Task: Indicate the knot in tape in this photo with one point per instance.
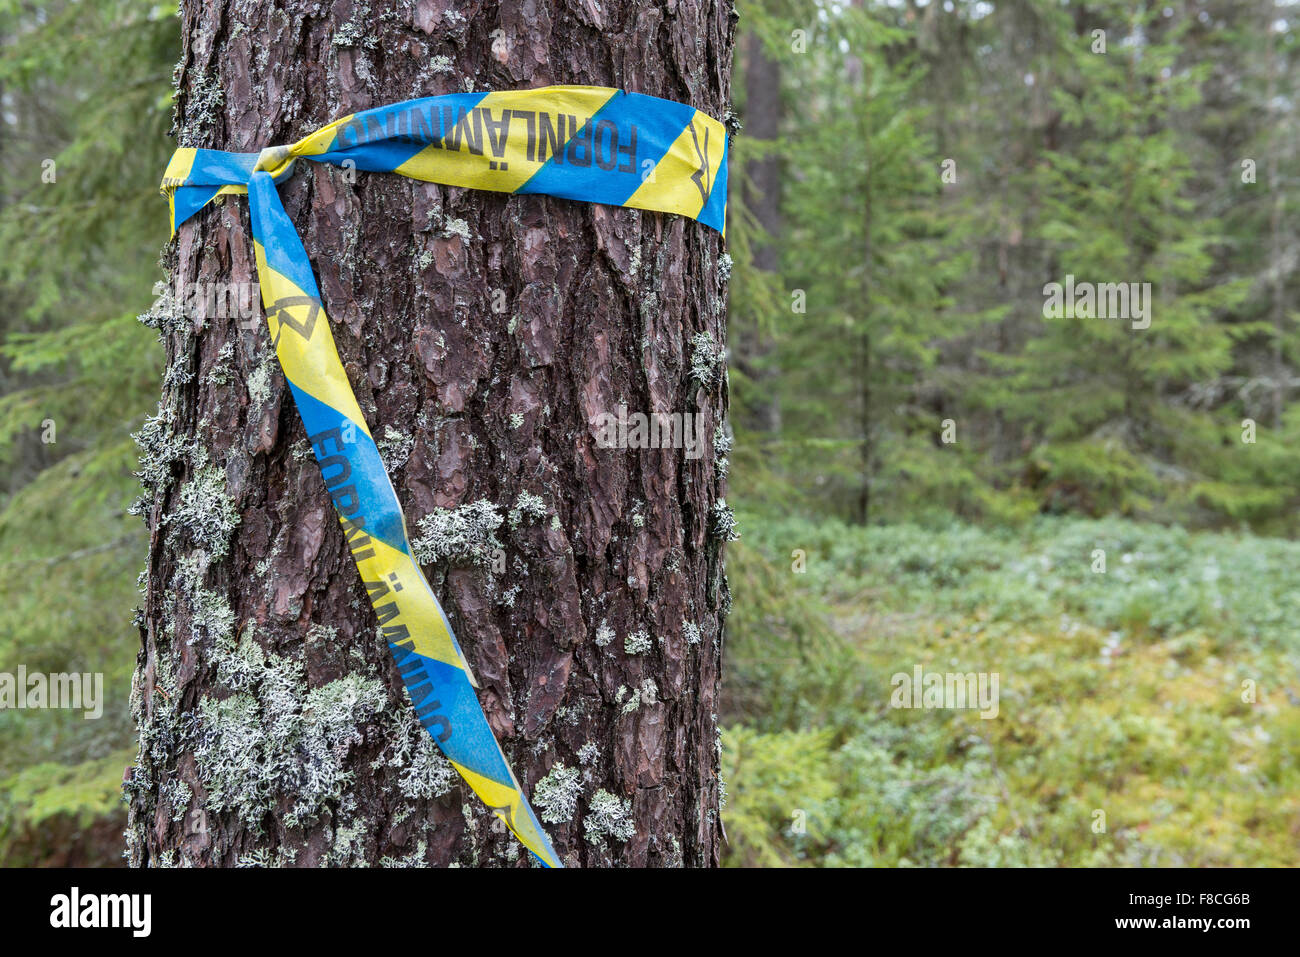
(276, 160)
(593, 144)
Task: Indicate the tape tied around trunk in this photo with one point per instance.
(591, 144)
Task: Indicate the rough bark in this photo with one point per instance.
(274, 728)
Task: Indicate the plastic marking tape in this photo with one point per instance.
(576, 142)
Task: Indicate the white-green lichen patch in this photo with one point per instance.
(527, 507)
(691, 632)
(429, 774)
(637, 643)
(203, 107)
(556, 795)
(456, 227)
(177, 794)
(723, 524)
(649, 691)
(276, 739)
(722, 446)
(608, 817)
(355, 34)
(259, 380)
(424, 772)
(706, 357)
(261, 857)
(160, 448)
(203, 511)
(219, 374)
(395, 448)
(723, 441)
(465, 535)
(646, 694)
(210, 612)
(417, 858)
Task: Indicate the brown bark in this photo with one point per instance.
(261, 739)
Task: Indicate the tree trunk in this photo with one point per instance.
(763, 109)
(482, 333)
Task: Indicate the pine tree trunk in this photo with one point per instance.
(481, 333)
(763, 110)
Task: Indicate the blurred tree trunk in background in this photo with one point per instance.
(762, 76)
(274, 727)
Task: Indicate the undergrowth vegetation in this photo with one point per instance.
(1126, 732)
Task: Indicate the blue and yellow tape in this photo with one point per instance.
(586, 143)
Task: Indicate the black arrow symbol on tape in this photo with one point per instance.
(700, 176)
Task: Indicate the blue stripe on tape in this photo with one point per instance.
(273, 229)
(414, 121)
(446, 705)
(602, 165)
(375, 500)
(714, 212)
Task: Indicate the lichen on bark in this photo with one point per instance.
(481, 334)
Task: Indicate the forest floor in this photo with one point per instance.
(1147, 713)
(1148, 707)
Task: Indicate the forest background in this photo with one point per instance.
(929, 466)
